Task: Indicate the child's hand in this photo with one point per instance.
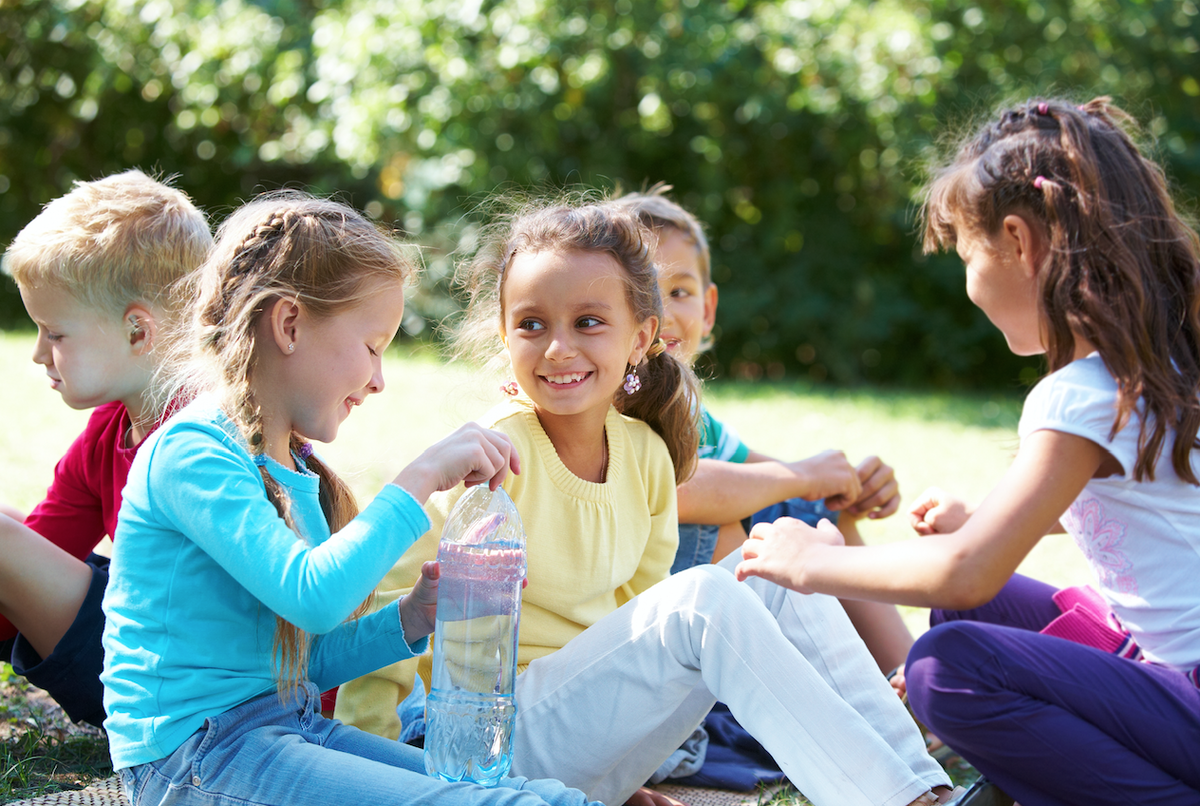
(472, 454)
(418, 609)
(880, 495)
(829, 475)
(778, 551)
(937, 512)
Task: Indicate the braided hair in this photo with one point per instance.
(284, 245)
(1123, 266)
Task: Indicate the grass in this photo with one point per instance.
(40, 751)
(961, 442)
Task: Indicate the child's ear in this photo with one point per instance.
(142, 327)
(1025, 242)
(710, 308)
(283, 317)
(642, 340)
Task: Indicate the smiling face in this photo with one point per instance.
(1002, 283)
(335, 364)
(89, 355)
(689, 301)
(570, 330)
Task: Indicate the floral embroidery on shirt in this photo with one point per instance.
(1100, 539)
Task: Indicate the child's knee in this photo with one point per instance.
(945, 664)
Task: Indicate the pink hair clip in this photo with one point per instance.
(1037, 183)
(1043, 108)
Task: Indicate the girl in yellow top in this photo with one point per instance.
(621, 661)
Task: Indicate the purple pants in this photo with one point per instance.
(1051, 721)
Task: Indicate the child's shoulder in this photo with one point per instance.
(1079, 398)
(1083, 382)
(201, 419)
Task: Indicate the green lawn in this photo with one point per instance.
(961, 442)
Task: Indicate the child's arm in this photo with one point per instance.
(724, 492)
(960, 570)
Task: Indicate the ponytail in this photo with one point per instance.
(667, 402)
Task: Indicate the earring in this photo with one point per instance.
(511, 389)
(632, 381)
(291, 347)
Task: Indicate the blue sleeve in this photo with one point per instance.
(360, 647)
(210, 491)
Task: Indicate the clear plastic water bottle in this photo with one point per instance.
(471, 711)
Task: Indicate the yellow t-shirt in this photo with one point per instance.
(590, 548)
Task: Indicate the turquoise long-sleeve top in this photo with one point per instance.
(203, 562)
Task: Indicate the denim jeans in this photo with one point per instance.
(286, 754)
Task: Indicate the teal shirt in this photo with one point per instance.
(719, 441)
(202, 562)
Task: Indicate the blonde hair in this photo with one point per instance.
(122, 239)
(669, 392)
(288, 245)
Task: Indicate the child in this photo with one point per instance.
(619, 660)
(735, 487)
(1073, 249)
(240, 556)
(95, 270)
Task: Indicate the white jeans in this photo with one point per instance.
(604, 711)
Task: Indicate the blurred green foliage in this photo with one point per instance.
(795, 129)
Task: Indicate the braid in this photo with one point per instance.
(327, 258)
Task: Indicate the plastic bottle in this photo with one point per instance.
(471, 711)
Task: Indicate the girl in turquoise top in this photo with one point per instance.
(242, 559)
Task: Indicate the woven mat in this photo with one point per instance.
(108, 793)
(703, 796)
(101, 793)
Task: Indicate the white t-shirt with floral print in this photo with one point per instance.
(1142, 539)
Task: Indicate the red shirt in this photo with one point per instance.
(82, 503)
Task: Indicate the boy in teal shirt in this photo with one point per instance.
(734, 486)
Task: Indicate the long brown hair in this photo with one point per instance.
(289, 245)
(669, 394)
(1123, 269)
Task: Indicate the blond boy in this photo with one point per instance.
(96, 271)
(735, 486)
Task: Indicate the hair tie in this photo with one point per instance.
(1043, 108)
(658, 348)
(306, 450)
(260, 459)
(1037, 183)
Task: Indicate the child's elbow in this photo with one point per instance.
(966, 585)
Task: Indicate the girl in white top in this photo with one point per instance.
(1073, 249)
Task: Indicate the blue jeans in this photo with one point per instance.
(286, 754)
(697, 541)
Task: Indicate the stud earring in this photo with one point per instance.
(511, 389)
(632, 381)
(291, 347)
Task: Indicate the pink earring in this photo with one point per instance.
(511, 389)
(632, 381)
